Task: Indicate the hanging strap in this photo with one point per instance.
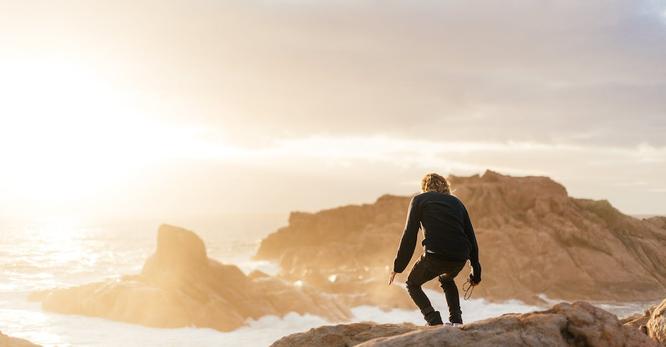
(468, 288)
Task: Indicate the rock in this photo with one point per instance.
(343, 335)
(577, 324)
(652, 322)
(179, 253)
(639, 320)
(656, 325)
(180, 286)
(7, 341)
(658, 221)
(533, 238)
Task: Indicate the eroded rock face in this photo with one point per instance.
(8, 341)
(577, 324)
(533, 239)
(180, 286)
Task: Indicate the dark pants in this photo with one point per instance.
(427, 268)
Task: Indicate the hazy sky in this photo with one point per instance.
(163, 108)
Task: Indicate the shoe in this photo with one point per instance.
(455, 325)
(434, 318)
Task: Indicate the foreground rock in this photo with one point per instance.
(652, 322)
(533, 239)
(656, 326)
(344, 334)
(7, 341)
(577, 324)
(180, 286)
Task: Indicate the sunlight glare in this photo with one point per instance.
(66, 133)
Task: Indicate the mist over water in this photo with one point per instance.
(47, 255)
(36, 257)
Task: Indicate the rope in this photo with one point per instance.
(468, 288)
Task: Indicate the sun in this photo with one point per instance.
(65, 132)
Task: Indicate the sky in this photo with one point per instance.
(113, 109)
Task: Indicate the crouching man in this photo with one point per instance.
(449, 241)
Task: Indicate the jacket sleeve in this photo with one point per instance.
(408, 241)
(474, 251)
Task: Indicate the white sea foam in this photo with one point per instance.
(49, 329)
(473, 310)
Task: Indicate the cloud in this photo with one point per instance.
(305, 93)
(454, 70)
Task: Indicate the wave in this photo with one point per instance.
(27, 320)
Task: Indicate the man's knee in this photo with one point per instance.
(446, 281)
(412, 285)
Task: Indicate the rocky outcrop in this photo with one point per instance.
(577, 324)
(180, 286)
(7, 341)
(533, 238)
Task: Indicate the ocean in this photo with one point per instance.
(62, 253)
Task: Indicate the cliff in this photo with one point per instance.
(533, 238)
(180, 286)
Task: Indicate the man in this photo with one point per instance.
(449, 242)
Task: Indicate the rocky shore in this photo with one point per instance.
(576, 324)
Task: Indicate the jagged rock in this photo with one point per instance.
(180, 286)
(179, 253)
(577, 324)
(656, 325)
(652, 322)
(639, 320)
(533, 238)
(7, 341)
(343, 335)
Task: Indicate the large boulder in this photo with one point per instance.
(8, 341)
(180, 286)
(577, 324)
(533, 238)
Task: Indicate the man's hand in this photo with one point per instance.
(475, 275)
(392, 277)
(473, 280)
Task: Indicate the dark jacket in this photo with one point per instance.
(446, 227)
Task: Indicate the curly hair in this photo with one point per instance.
(433, 182)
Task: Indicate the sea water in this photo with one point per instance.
(60, 254)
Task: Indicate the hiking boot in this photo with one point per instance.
(434, 318)
(455, 325)
(456, 319)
